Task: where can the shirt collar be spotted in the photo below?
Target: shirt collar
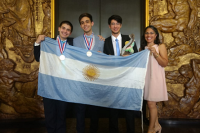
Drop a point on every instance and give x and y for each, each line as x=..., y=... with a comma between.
x=61, y=40
x=118, y=37
x=90, y=36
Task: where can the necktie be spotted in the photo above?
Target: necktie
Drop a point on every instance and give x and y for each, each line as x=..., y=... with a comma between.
x=117, y=47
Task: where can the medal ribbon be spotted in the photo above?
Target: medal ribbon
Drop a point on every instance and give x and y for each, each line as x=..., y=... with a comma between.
x=61, y=47
x=88, y=44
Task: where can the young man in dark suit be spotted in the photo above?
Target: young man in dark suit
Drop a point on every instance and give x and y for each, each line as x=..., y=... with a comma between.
x=55, y=110
x=113, y=46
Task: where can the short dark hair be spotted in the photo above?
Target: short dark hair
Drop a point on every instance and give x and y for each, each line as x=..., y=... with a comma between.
x=144, y=42
x=85, y=15
x=68, y=23
x=115, y=17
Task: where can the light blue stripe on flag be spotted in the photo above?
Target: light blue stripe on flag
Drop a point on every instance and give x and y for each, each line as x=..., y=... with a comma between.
x=101, y=80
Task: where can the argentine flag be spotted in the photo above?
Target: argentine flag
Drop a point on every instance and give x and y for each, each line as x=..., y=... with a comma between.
x=99, y=79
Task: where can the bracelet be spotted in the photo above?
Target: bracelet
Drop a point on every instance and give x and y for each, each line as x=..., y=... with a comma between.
x=156, y=56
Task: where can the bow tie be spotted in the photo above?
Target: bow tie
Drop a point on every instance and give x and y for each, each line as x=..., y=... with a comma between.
x=63, y=42
x=91, y=36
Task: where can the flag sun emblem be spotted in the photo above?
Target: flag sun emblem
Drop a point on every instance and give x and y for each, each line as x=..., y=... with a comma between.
x=91, y=72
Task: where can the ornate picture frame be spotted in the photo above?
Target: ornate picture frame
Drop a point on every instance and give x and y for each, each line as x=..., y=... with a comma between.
x=52, y=18
x=146, y=13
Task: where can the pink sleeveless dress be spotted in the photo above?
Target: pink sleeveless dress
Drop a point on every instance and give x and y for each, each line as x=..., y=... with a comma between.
x=155, y=85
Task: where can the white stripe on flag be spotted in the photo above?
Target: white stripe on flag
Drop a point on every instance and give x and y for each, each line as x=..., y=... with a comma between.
x=73, y=70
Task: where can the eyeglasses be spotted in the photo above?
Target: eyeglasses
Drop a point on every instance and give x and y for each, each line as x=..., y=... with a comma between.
x=151, y=33
x=115, y=24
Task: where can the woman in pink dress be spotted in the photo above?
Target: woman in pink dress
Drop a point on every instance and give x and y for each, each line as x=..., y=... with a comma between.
x=155, y=89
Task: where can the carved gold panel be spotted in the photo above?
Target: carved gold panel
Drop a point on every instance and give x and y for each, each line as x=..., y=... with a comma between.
x=21, y=21
x=160, y=7
x=198, y=11
x=179, y=24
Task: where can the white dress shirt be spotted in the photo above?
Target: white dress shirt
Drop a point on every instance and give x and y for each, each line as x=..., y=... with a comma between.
x=36, y=44
x=119, y=37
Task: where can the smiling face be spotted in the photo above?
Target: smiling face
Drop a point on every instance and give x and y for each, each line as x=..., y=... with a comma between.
x=150, y=35
x=86, y=25
x=64, y=31
x=115, y=27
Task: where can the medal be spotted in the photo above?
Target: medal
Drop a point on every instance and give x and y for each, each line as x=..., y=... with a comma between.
x=62, y=57
x=88, y=44
x=89, y=53
x=61, y=47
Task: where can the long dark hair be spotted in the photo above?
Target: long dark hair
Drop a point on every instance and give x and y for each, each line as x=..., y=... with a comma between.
x=144, y=42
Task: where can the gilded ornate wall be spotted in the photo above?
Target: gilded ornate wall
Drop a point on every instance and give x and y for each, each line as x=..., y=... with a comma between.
x=22, y=20
x=20, y=23
x=179, y=23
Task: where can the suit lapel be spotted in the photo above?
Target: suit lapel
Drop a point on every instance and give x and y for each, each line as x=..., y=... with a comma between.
x=111, y=46
x=123, y=41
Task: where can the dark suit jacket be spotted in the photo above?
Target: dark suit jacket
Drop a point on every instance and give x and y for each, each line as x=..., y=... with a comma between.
x=37, y=49
x=108, y=46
